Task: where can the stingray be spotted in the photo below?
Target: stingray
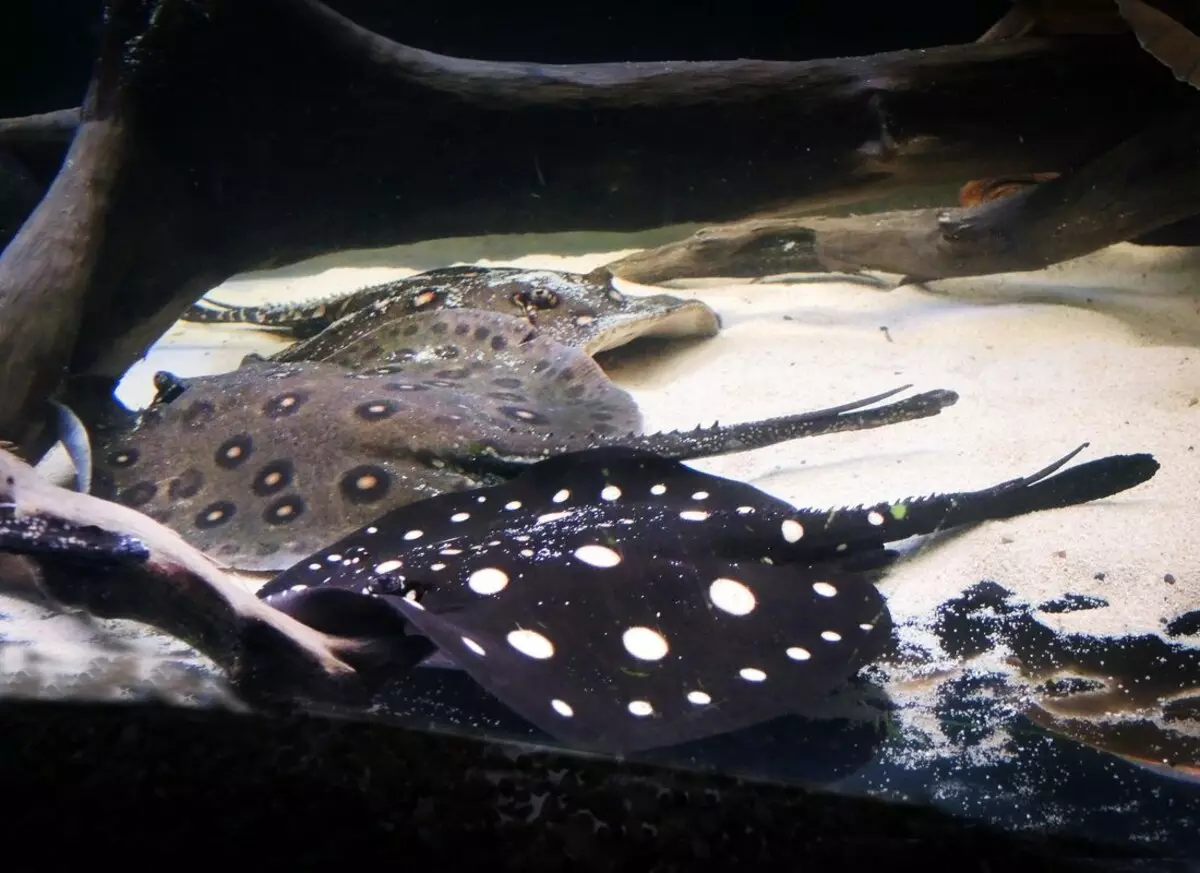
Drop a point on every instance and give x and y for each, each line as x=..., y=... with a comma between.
x=357, y=329
x=622, y=601
x=266, y=464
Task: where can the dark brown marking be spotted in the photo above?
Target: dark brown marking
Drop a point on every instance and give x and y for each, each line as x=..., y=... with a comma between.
x=377, y=410
x=523, y=415
x=139, y=494
x=404, y=386
x=186, y=484
x=482, y=333
x=575, y=391
x=439, y=327
x=284, y=404
x=123, y=457
x=462, y=328
x=453, y=374
x=507, y=382
x=215, y=515
x=366, y=483
x=273, y=477
x=508, y=396
x=234, y=452
x=499, y=343
x=200, y=413
x=285, y=510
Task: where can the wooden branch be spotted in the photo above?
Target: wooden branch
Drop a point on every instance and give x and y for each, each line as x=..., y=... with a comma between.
x=117, y=563
x=227, y=135
x=1149, y=182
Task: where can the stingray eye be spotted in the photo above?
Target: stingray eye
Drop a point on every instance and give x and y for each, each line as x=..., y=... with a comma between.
x=167, y=386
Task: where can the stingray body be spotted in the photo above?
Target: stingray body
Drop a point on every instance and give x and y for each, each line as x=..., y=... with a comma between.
x=357, y=329
x=621, y=601
x=264, y=465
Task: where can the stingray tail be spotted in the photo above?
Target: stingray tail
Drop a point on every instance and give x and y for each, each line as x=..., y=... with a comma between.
x=1046, y=489
x=724, y=439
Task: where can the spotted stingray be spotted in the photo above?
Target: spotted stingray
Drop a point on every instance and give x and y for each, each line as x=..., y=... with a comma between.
x=622, y=601
x=264, y=465
x=358, y=329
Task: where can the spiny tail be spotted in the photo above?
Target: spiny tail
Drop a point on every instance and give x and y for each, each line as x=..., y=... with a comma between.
x=720, y=439
x=300, y=320
x=1045, y=489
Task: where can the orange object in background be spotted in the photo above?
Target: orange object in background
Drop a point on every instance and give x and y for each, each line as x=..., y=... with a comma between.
x=979, y=191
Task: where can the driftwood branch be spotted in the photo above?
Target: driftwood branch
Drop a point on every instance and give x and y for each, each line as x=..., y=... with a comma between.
x=226, y=135
x=1149, y=182
x=117, y=563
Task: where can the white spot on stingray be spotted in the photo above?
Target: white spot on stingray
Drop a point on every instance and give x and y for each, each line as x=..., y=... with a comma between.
x=598, y=556
x=693, y=515
x=473, y=646
x=866, y=626
x=333, y=559
x=481, y=499
x=752, y=674
x=730, y=595
x=796, y=653
x=488, y=580
x=372, y=530
x=874, y=518
x=640, y=708
x=460, y=516
x=831, y=636
x=298, y=588
x=552, y=516
x=314, y=566
x=437, y=566
x=645, y=643
x=792, y=530
x=699, y=698
x=388, y=567
x=513, y=504
x=450, y=552
x=531, y=644
x=414, y=534
x=842, y=547
x=562, y=708
x=824, y=589
x=700, y=495
x=562, y=495
x=526, y=553
x=658, y=490
x=610, y=492
x=745, y=510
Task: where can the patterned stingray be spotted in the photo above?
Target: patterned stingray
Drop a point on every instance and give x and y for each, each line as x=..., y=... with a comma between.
x=262, y=466
x=585, y=312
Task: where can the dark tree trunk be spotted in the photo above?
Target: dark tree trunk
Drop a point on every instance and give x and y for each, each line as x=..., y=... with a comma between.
x=226, y=135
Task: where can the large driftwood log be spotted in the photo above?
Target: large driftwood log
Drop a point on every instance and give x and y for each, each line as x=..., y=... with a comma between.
x=1146, y=189
x=1149, y=182
x=226, y=135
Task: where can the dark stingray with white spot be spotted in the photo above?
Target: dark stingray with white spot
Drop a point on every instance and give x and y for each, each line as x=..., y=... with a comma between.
x=264, y=465
x=622, y=601
x=359, y=329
